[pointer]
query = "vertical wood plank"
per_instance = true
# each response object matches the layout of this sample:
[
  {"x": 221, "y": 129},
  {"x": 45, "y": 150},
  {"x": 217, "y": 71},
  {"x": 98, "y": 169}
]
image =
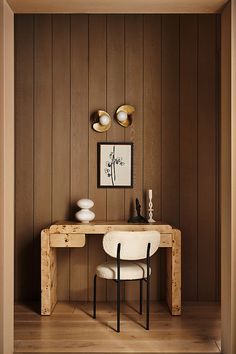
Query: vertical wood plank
[
  {"x": 227, "y": 311},
  {"x": 79, "y": 109},
  {"x": 42, "y": 135},
  {"x": 61, "y": 139},
  {"x": 170, "y": 128},
  {"x": 134, "y": 96},
  {"x": 207, "y": 124},
  {"x": 170, "y": 119},
  {"x": 115, "y": 98},
  {"x": 79, "y": 146},
  {"x": 24, "y": 192},
  {"x": 188, "y": 152},
  {"x": 97, "y": 100},
  {"x": 152, "y": 129},
  {"x": 218, "y": 145}
]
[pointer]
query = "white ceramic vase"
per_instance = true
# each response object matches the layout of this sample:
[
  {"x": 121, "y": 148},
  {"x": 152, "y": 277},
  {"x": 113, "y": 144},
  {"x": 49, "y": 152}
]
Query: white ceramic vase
[{"x": 85, "y": 215}]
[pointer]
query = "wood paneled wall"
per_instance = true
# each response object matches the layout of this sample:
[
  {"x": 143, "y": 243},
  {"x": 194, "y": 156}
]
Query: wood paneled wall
[{"x": 67, "y": 67}]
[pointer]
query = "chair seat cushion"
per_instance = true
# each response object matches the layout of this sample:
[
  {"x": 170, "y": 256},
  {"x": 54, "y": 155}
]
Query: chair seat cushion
[{"x": 129, "y": 270}]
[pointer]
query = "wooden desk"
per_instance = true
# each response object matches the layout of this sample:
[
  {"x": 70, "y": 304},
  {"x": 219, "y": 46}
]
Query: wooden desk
[{"x": 71, "y": 234}]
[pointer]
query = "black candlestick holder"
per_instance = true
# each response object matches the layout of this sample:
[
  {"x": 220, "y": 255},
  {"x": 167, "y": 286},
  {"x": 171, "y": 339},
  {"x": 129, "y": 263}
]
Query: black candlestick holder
[{"x": 138, "y": 219}]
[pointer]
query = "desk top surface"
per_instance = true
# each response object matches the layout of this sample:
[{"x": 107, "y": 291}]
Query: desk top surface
[{"x": 105, "y": 226}]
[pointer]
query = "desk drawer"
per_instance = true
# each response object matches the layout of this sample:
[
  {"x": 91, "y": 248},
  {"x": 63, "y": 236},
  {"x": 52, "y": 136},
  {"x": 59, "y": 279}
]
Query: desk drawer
[{"x": 67, "y": 240}]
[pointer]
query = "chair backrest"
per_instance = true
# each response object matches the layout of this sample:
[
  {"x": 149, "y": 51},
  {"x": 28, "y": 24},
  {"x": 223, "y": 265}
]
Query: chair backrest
[{"x": 133, "y": 243}]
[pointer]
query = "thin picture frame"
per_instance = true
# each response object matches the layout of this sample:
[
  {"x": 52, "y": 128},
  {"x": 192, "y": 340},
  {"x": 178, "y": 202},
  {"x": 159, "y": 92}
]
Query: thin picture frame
[{"x": 117, "y": 158}]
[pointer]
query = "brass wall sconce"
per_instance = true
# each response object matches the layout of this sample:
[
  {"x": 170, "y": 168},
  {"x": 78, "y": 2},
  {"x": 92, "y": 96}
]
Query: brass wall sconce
[
  {"x": 124, "y": 115},
  {"x": 103, "y": 121}
]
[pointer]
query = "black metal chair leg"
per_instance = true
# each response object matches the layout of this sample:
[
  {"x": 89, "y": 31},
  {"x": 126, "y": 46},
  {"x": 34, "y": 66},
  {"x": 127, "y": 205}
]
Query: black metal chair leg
[
  {"x": 94, "y": 295},
  {"x": 118, "y": 305},
  {"x": 141, "y": 297},
  {"x": 118, "y": 287},
  {"x": 148, "y": 302},
  {"x": 148, "y": 285}
]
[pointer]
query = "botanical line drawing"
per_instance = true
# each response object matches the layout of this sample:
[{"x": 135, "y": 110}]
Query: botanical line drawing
[{"x": 111, "y": 164}]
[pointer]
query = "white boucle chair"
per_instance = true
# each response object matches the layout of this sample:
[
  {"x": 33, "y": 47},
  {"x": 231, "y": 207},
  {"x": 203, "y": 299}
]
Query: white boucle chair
[{"x": 128, "y": 247}]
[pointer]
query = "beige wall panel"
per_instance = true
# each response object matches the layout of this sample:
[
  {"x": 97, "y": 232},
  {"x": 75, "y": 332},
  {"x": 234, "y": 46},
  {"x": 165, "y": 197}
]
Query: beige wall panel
[
  {"x": 233, "y": 118},
  {"x": 1, "y": 174},
  {"x": 6, "y": 177},
  {"x": 118, "y": 6}
]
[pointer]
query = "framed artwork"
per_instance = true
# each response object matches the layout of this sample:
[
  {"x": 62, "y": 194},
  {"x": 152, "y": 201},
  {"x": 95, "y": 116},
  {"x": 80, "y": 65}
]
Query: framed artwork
[{"x": 115, "y": 165}]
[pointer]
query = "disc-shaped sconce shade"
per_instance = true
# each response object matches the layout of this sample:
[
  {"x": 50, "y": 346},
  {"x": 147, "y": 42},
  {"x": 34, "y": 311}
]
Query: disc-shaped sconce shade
[
  {"x": 124, "y": 115},
  {"x": 103, "y": 122}
]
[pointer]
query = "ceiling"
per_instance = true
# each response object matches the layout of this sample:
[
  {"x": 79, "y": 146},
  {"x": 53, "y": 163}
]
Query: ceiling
[{"x": 117, "y": 6}]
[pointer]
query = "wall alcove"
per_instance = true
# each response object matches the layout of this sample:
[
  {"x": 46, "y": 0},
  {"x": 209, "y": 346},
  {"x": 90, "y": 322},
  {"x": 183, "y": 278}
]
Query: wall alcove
[{"x": 68, "y": 66}]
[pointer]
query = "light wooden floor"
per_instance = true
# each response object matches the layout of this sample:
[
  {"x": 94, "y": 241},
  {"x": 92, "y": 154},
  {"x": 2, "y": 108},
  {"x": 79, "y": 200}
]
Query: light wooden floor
[{"x": 71, "y": 329}]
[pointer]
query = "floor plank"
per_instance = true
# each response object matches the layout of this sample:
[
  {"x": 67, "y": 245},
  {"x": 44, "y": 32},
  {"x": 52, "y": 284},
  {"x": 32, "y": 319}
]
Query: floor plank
[{"x": 71, "y": 329}]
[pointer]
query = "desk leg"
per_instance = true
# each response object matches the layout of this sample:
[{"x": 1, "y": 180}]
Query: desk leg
[
  {"x": 173, "y": 283},
  {"x": 48, "y": 275}
]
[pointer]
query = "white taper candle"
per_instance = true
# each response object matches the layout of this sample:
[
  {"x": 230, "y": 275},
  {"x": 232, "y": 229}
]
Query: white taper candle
[{"x": 150, "y": 193}]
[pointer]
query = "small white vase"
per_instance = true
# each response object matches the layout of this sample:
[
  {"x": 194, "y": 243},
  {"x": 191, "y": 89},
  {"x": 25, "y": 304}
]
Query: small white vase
[
  {"x": 85, "y": 215},
  {"x": 85, "y": 203}
]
